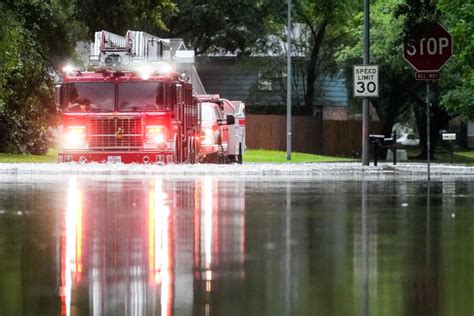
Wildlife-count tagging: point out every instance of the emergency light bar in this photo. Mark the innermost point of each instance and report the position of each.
(145, 71)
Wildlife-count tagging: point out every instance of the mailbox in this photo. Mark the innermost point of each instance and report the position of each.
(384, 142)
(448, 136)
(376, 139)
(448, 143)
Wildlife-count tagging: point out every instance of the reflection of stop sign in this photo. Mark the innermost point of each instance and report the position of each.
(428, 47)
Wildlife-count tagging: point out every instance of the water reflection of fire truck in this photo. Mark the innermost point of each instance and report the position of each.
(152, 251)
(219, 243)
(119, 266)
(131, 106)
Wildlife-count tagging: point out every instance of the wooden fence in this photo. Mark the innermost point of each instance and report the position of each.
(309, 135)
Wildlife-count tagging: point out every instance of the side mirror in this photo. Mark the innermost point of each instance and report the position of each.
(230, 120)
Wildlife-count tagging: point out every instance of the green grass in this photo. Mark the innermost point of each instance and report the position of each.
(260, 155)
(443, 156)
(465, 157)
(466, 154)
(51, 156)
(249, 156)
(255, 155)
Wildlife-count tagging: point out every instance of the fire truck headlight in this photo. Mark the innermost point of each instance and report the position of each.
(207, 136)
(155, 134)
(75, 137)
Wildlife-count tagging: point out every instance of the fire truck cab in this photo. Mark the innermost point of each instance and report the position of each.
(131, 106)
(216, 128)
(222, 129)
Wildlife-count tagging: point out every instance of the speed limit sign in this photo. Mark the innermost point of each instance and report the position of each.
(366, 81)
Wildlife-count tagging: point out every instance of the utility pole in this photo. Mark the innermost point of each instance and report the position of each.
(428, 131)
(288, 86)
(365, 101)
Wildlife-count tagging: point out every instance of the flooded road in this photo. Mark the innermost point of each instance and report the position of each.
(209, 245)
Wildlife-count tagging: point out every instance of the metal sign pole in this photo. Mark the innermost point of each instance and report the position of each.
(365, 101)
(288, 87)
(427, 48)
(428, 132)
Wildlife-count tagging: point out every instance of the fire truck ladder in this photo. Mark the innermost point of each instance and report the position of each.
(149, 48)
(110, 50)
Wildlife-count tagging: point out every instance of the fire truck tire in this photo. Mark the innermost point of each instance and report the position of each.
(178, 149)
(191, 150)
(220, 155)
(220, 158)
(240, 156)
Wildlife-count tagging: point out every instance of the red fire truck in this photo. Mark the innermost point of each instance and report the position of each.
(130, 106)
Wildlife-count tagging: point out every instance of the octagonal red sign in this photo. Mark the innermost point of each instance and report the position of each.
(428, 47)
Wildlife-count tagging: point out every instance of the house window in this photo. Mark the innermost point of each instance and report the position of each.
(264, 82)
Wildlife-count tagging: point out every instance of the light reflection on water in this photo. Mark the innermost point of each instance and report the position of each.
(218, 246)
(142, 282)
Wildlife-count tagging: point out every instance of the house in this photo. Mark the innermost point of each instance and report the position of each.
(261, 83)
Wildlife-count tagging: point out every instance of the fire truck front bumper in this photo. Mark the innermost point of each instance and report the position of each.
(118, 157)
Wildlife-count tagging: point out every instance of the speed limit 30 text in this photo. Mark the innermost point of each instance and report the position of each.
(365, 74)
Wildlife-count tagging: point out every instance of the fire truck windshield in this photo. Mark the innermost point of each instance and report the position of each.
(89, 97)
(210, 112)
(141, 96)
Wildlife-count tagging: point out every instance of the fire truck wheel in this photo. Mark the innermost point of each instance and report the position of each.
(239, 156)
(219, 155)
(191, 150)
(220, 159)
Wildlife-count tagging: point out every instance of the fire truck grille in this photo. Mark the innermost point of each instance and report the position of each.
(115, 133)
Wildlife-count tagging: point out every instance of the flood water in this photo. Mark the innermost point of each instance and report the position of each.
(206, 245)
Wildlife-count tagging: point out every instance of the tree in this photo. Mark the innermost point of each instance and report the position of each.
(396, 81)
(324, 21)
(318, 30)
(399, 92)
(458, 88)
(208, 27)
(35, 36)
(414, 12)
(118, 16)
(220, 26)
(259, 28)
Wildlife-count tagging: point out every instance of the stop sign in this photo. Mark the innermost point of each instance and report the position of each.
(428, 47)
